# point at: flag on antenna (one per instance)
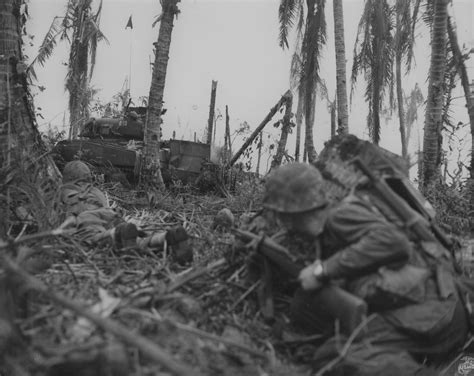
(129, 23)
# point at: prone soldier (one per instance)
(88, 211)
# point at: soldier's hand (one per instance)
(308, 279)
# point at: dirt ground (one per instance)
(158, 317)
(93, 310)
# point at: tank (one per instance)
(112, 144)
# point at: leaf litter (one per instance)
(151, 316)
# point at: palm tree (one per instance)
(313, 39)
(373, 55)
(80, 27)
(294, 84)
(460, 66)
(403, 46)
(341, 89)
(434, 106)
(299, 121)
(157, 87)
(21, 146)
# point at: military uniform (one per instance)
(86, 204)
(89, 206)
(89, 212)
(414, 309)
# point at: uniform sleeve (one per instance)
(96, 197)
(370, 242)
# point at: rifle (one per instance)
(349, 309)
(424, 230)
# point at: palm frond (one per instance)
(374, 56)
(287, 14)
(93, 54)
(295, 70)
(322, 90)
(428, 14)
(49, 42)
(98, 13)
(300, 24)
(314, 43)
(92, 37)
(69, 16)
(31, 74)
(362, 48)
(92, 31)
(415, 17)
(404, 39)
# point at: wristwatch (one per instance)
(318, 271)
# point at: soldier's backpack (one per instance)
(349, 164)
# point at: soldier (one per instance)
(415, 309)
(88, 211)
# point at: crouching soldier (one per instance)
(414, 309)
(88, 211)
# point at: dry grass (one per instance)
(205, 320)
(209, 323)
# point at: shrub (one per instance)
(450, 203)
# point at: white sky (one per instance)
(232, 41)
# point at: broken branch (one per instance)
(147, 347)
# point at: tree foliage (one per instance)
(80, 28)
(374, 57)
(311, 38)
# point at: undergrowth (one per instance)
(187, 319)
(451, 204)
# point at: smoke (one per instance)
(217, 154)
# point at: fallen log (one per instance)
(255, 133)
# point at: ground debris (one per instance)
(202, 314)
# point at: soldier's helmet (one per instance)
(133, 115)
(294, 188)
(76, 171)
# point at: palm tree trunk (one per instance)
(285, 128)
(332, 109)
(309, 122)
(75, 117)
(432, 138)
(18, 133)
(155, 100)
(399, 88)
(299, 121)
(212, 107)
(461, 66)
(227, 141)
(310, 85)
(341, 90)
(77, 80)
(20, 141)
(377, 73)
(401, 110)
